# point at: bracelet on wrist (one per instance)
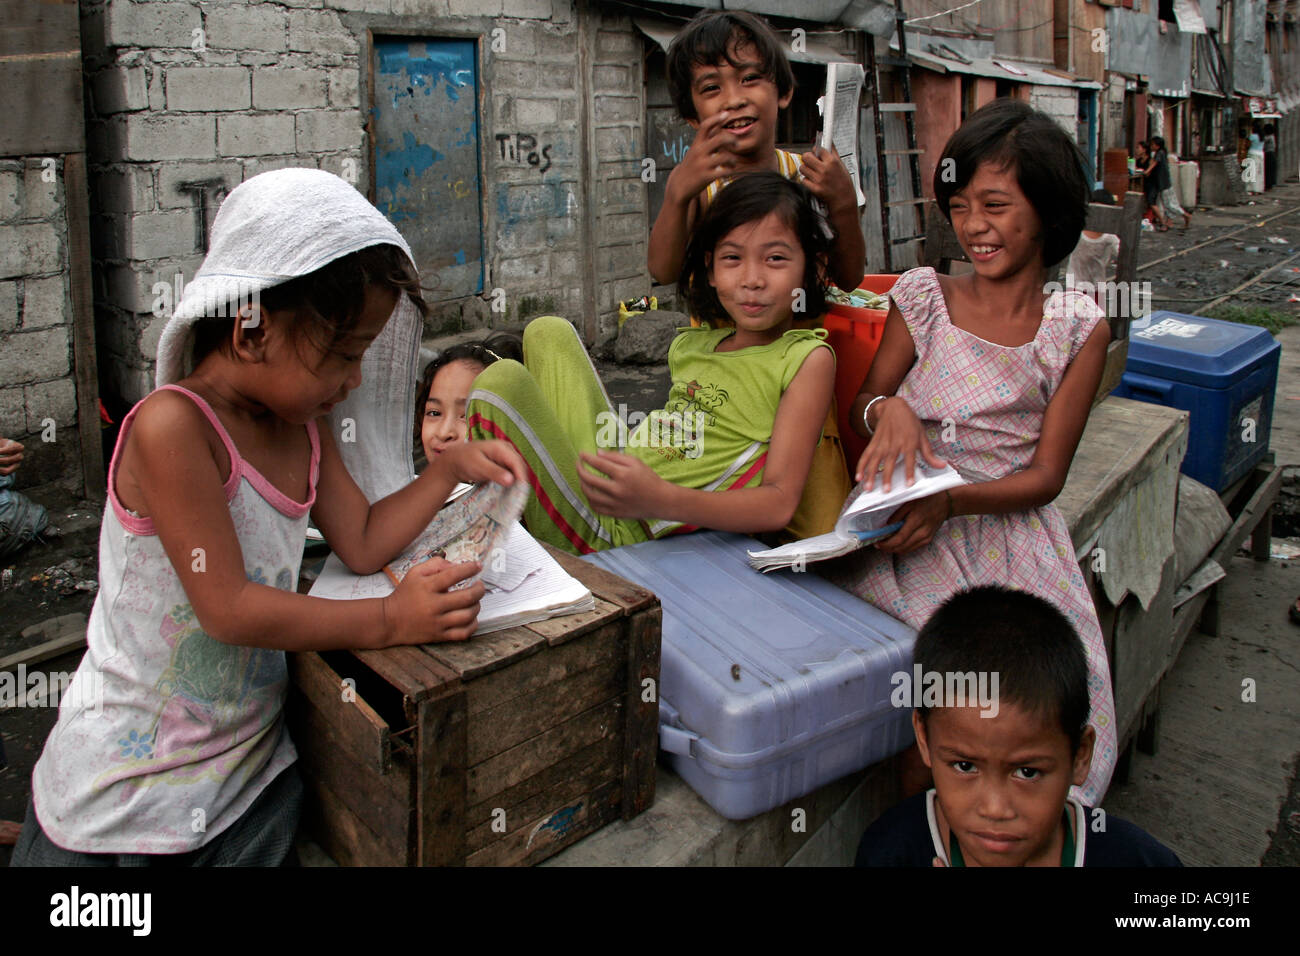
(866, 412)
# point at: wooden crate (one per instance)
(501, 750)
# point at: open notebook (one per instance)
(864, 518)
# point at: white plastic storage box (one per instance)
(771, 685)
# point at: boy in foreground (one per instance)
(729, 78)
(1002, 780)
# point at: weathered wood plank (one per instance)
(341, 834)
(440, 780)
(82, 298)
(556, 664)
(1123, 442)
(485, 653)
(394, 665)
(641, 727)
(552, 832)
(564, 791)
(515, 721)
(558, 630)
(605, 754)
(381, 801)
(517, 764)
(604, 585)
(365, 732)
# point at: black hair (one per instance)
(1103, 197)
(709, 38)
(1027, 642)
(1158, 142)
(1046, 162)
(749, 198)
(502, 345)
(325, 305)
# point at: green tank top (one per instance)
(716, 427)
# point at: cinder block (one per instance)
(623, 226)
(45, 303)
(264, 164)
(616, 46)
(258, 135)
(159, 235)
(149, 336)
(612, 79)
(474, 8)
(119, 89)
(13, 408)
(30, 249)
(122, 189)
(42, 190)
(34, 356)
(320, 31)
(149, 138)
(172, 175)
(8, 306)
(419, 8)
(363, 6)
(207, 88)
(155, 25)
(519, 268)
(538, 113)
(46, 400)
(288, 89)
(618, 143)
(344, 91)
(617, 109)
(527, 9)
(11, 204)
(553, 43)
(246, 27)
(324, 131)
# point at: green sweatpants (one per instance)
(551, 408)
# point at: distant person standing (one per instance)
(1252, 170)
(1270, 156)
(1150, 190)
(1165, 183)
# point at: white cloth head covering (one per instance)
(275, 227)
(287, 223)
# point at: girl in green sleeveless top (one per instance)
(732, 447)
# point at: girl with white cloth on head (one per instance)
(171, 740)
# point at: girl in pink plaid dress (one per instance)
(993, 372)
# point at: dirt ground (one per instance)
(1236, 244)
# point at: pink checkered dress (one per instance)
(996, 396)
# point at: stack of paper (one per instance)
(524, 584)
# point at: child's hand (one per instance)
(709, 157)
(632, 489)
(827, 178)
(898, 432)
(11, 453)
(424, 609)
(921, 518)
(475, 461)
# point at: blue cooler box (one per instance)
(1223, 373)
(771, 685)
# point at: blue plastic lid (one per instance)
(1195, 350)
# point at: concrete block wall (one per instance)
(183, 93)
(38, 398)
(1061, 103)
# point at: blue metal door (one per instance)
(426, 157)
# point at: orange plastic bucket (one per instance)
(855, 335)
